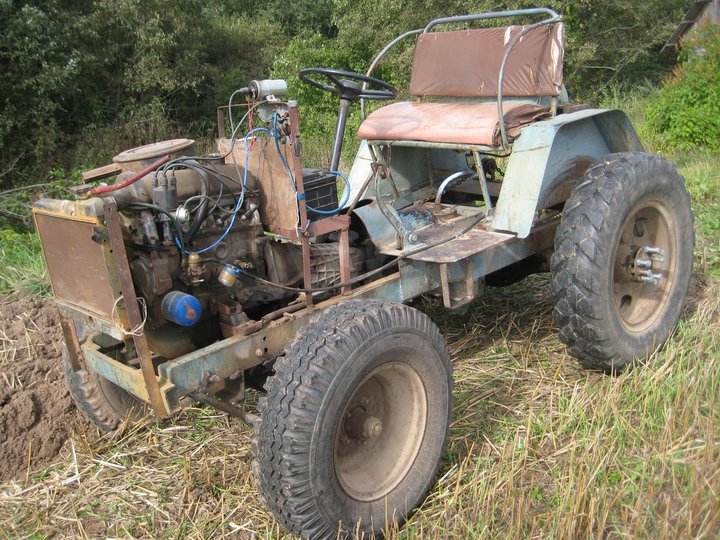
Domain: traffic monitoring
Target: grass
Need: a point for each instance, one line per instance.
(539, 448)
(702, 174)
(22, 266)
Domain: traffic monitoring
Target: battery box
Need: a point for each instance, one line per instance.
(320, 192)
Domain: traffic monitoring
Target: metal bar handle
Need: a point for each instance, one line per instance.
(501, 76)
(554, 17)
(493, 15)
(379, 57)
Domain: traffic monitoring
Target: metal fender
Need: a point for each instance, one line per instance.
(549, 157)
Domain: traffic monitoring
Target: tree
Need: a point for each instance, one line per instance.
(84, 80)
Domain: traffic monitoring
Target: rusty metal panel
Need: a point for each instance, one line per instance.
(278, 203)
(72, 343)
(473, 242)
(76, 263)
(87, 319)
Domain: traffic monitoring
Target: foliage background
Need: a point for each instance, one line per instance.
(686, 112)
(85, 79)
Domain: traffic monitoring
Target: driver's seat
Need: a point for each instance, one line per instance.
(463, 68)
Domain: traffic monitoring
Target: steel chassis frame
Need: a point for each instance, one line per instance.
(165, 386)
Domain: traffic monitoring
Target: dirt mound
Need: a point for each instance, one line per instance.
(37, 414)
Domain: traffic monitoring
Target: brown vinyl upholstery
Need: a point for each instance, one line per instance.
(466, 64)
(449, 123)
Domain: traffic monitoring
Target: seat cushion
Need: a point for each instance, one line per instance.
(466, 63)
(445, 123)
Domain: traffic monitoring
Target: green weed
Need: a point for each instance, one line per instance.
(22, 267)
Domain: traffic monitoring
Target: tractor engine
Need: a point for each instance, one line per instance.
(203, 264)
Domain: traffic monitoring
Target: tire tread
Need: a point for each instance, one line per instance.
(302, 376)
(88, 398)
(579, 255)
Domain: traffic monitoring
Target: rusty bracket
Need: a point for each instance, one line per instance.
(135, 318)
(379, 169)
(457, 293)
(72, 342)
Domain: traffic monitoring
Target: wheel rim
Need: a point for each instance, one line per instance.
(644, 265)
(381, 429)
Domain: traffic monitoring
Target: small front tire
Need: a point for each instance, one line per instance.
(102, 402)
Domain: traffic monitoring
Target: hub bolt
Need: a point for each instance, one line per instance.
(652, 279)
(642, 267)
(372, 428)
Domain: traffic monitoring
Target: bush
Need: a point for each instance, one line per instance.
(686, 112)
(318, 109)
(84, 80)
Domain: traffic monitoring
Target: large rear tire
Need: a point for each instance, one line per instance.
(623, 260)
(355, 420)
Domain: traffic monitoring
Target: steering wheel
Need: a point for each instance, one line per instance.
(347, 84)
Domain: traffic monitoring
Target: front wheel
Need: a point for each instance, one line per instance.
(355, 420)
(623, 260)
(101, 401)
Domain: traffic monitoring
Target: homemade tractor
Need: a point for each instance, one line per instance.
(191, 277)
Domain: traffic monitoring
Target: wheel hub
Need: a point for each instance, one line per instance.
(644, 264)
(380, 432)
(372, 428)
(641, 269)
(360, 424)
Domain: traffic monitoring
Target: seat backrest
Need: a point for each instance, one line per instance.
(466, 63)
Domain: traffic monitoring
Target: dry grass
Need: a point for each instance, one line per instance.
(538, 449)
(543, 449)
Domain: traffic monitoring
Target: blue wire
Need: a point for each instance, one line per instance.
(346, 191)
(275, 135)
(241, 199)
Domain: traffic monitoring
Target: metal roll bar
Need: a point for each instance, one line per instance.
(501, 76)
(494, 15)
(377, 59)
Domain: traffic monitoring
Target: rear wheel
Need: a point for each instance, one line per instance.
(623, 260)
(355, 420)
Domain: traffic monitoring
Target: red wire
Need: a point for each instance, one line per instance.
(125, 183)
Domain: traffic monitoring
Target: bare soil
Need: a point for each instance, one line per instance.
(37, 414)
